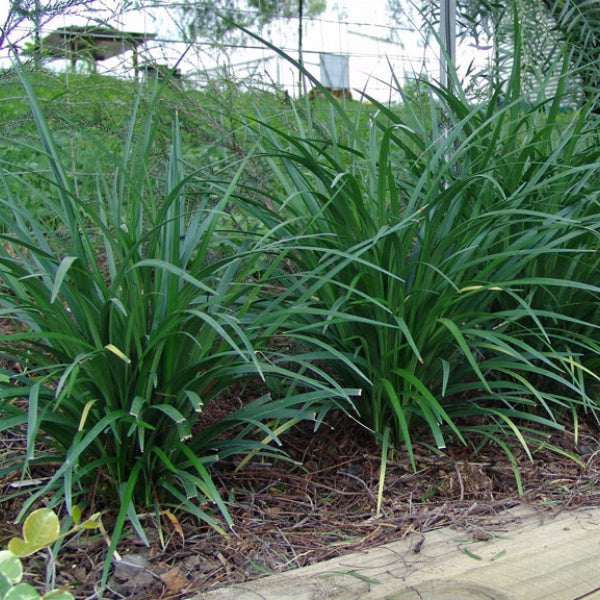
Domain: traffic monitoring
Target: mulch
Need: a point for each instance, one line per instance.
(322, 504)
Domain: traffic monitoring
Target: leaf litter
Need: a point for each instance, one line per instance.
(319, 506)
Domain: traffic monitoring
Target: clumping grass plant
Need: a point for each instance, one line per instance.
(440, 256)
(450, 254)
(125, 316)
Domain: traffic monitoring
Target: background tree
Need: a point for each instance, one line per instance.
(217, 20)
(548, 27)
(578, 24)
(26, 17)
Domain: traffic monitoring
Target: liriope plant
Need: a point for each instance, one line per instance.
(125, 316)
(450, 256)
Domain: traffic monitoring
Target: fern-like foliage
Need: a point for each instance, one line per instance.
(549, 29)
(578, 24)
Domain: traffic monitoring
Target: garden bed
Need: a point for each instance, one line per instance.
(289, 515)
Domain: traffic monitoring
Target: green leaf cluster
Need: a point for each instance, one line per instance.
(549, 29)
(449, 253)
(440, 255)
(127, 315)
(41, 529)
(217, 20)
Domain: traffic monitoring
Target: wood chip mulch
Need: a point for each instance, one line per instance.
(321, 505)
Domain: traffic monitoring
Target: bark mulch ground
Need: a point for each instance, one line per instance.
(323, 505)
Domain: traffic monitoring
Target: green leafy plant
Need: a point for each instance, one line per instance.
(450, 257)
(125, 320)
(41, 529)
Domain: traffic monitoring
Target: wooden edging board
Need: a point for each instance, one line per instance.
(538, 555)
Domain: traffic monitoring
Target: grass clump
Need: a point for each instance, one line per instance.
(439, 255)
(451, 258)
(125, 320)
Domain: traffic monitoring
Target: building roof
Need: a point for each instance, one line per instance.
(98, 42)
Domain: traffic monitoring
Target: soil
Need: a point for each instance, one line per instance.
(320, 505)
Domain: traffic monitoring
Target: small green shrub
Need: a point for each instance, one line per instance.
(453, 263)
(41, 529)
(125, 320)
